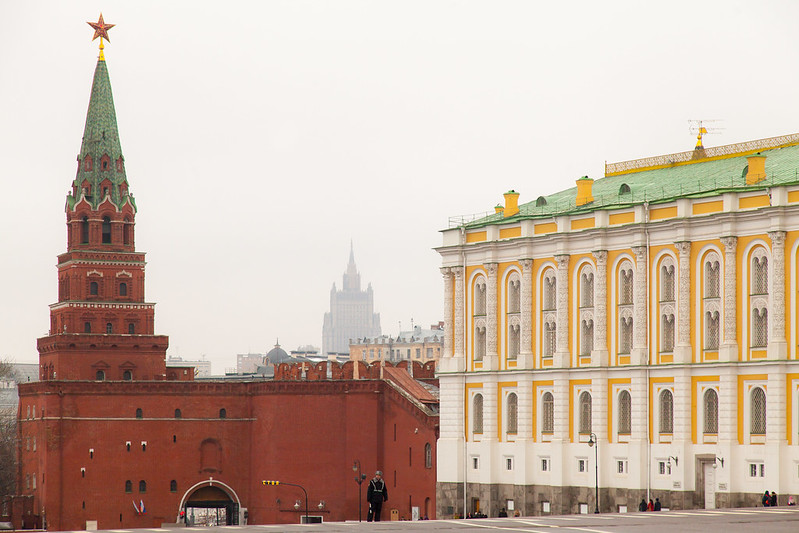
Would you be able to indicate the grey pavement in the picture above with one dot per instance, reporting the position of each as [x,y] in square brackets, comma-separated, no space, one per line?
[760,520]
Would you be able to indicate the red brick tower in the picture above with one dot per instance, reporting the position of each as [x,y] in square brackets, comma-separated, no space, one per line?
[101,327]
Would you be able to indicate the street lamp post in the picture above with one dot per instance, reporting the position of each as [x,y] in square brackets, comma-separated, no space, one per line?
[591,442]
[296,505]
[356,467]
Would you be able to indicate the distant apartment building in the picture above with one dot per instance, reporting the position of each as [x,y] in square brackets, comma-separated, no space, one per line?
[202,367]
[9,395]
[417,344]
[351,313]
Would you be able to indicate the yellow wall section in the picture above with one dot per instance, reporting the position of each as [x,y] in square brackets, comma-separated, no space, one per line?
[663,212]
[582,223]
[704,208]
[749,202]
[509,233]
[793,196]
[623,218]
[477,236]
[549,227]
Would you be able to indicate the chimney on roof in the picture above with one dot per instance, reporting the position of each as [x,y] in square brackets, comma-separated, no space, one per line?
[756,169]
[498,209]
[584,188]
[511,203]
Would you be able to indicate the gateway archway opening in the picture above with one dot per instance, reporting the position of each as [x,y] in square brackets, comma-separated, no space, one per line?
[210,506]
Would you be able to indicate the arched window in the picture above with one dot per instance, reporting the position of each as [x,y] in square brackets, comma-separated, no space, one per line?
[760,274]
[626,284]
[479,342]
[178,414]
[585,413]
[139,413]
[759,327]
[711,404]
[223,413]
[514,290]
[478,318]
[479,296]
[586,336]
[548,412]
[550,283]
[127,375]
[128,486]
[586,311]
[131,328]
[94,288]
[712,276]
[586,288]
[512,319]
[514,341]
[513,418]
[625,412]
[173,486]
[142,486]
[106,230]
[477,414]
[123,289]
[757,414]
[428,455]
[87,327]
[625,333]
[99,375]
[667,332]
[84,230]
[667,281]
[550,337]
[666,412]
[712,330]
[109,328]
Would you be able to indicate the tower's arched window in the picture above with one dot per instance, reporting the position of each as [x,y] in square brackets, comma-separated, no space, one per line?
[428,455]
[139,413]
[757,422]
[477,414]
[131,328]
[173,486]
[99,375]
[127,375]
[87,327]
[178,413]
[128,486]
[548,412]
[142,486]
[222,413]
[84,230]
[711,404]
[94,288]
[666,412]
[123,289]
[106,230]
[109,328]
[625,412]
[585,413]
[513,418]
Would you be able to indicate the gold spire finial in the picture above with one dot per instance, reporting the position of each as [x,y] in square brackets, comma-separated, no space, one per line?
[101,31]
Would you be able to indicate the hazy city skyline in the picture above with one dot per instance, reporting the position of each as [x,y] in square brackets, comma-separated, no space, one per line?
[261,137]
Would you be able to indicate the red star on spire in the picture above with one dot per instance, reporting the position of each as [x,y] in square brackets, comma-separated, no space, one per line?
[101,29]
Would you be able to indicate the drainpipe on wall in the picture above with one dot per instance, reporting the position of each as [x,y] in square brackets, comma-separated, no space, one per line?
[648,357]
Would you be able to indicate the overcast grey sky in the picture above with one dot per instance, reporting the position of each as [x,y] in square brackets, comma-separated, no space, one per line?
[260,137]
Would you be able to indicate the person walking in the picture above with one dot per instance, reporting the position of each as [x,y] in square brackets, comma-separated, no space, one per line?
[376,494]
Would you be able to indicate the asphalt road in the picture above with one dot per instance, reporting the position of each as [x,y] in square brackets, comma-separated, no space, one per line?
[757,520]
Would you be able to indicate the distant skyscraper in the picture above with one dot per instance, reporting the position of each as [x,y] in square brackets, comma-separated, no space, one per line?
[351,313]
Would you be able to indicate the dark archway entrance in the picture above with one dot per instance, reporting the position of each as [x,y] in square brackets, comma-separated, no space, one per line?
[210,506]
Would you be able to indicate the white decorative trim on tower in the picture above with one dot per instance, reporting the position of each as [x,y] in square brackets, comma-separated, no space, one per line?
[682,352]
[728,351]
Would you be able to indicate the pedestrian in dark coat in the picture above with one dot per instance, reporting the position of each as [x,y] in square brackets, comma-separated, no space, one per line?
[376,494]
[766,499]
[642,505]
[657,504]
[773,499]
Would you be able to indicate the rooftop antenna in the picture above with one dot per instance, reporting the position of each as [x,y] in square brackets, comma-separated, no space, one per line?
[703,127]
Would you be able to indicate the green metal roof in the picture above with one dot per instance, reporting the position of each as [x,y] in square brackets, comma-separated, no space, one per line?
[693,180]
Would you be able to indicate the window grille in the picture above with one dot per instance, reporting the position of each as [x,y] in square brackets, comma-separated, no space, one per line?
[712,276]
[142,486]
[480,297]
[626,286]
[550,289]
[479,343]
[667,283]
[587,289]
[173,486]
[711,401]
[759,328]
[513,294]
[666,412]
[513,402]
[625,334]
[513,342]
[585,412]
[760,275]
[428,456]
[625,412]
[128,486]
[477,416]
[757,425]
[712,330]
[548,405]
[667,332]
[586,337]
[549,338]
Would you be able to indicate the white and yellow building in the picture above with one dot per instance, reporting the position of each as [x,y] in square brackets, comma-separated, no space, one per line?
[655,309]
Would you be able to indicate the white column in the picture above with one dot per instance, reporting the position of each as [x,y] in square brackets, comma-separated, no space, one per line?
[638,393]
[490,408]
[599,406]
[491,361]
[449,288]
[562,355]
[728,402]
[640,353]
[525,410]
[459,334]
[776,405]
[526,355]
[728,351]
[560,396]
[599,355]
[682,351]
[777,346]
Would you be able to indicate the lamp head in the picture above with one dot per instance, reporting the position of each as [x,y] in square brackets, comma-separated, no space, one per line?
[321,505]
[297,504]
[355,466]
[591,441]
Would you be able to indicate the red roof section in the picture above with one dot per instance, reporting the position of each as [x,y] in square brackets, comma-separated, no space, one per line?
[401,377]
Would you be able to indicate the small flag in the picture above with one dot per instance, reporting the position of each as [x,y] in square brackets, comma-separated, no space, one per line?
[134,506]
[141,506]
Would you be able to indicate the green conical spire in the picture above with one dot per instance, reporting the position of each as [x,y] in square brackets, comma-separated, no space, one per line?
[100,156]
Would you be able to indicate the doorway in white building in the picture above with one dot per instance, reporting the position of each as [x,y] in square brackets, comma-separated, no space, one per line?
[710,485]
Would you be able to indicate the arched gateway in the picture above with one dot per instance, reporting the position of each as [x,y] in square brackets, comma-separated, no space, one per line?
[209,503]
